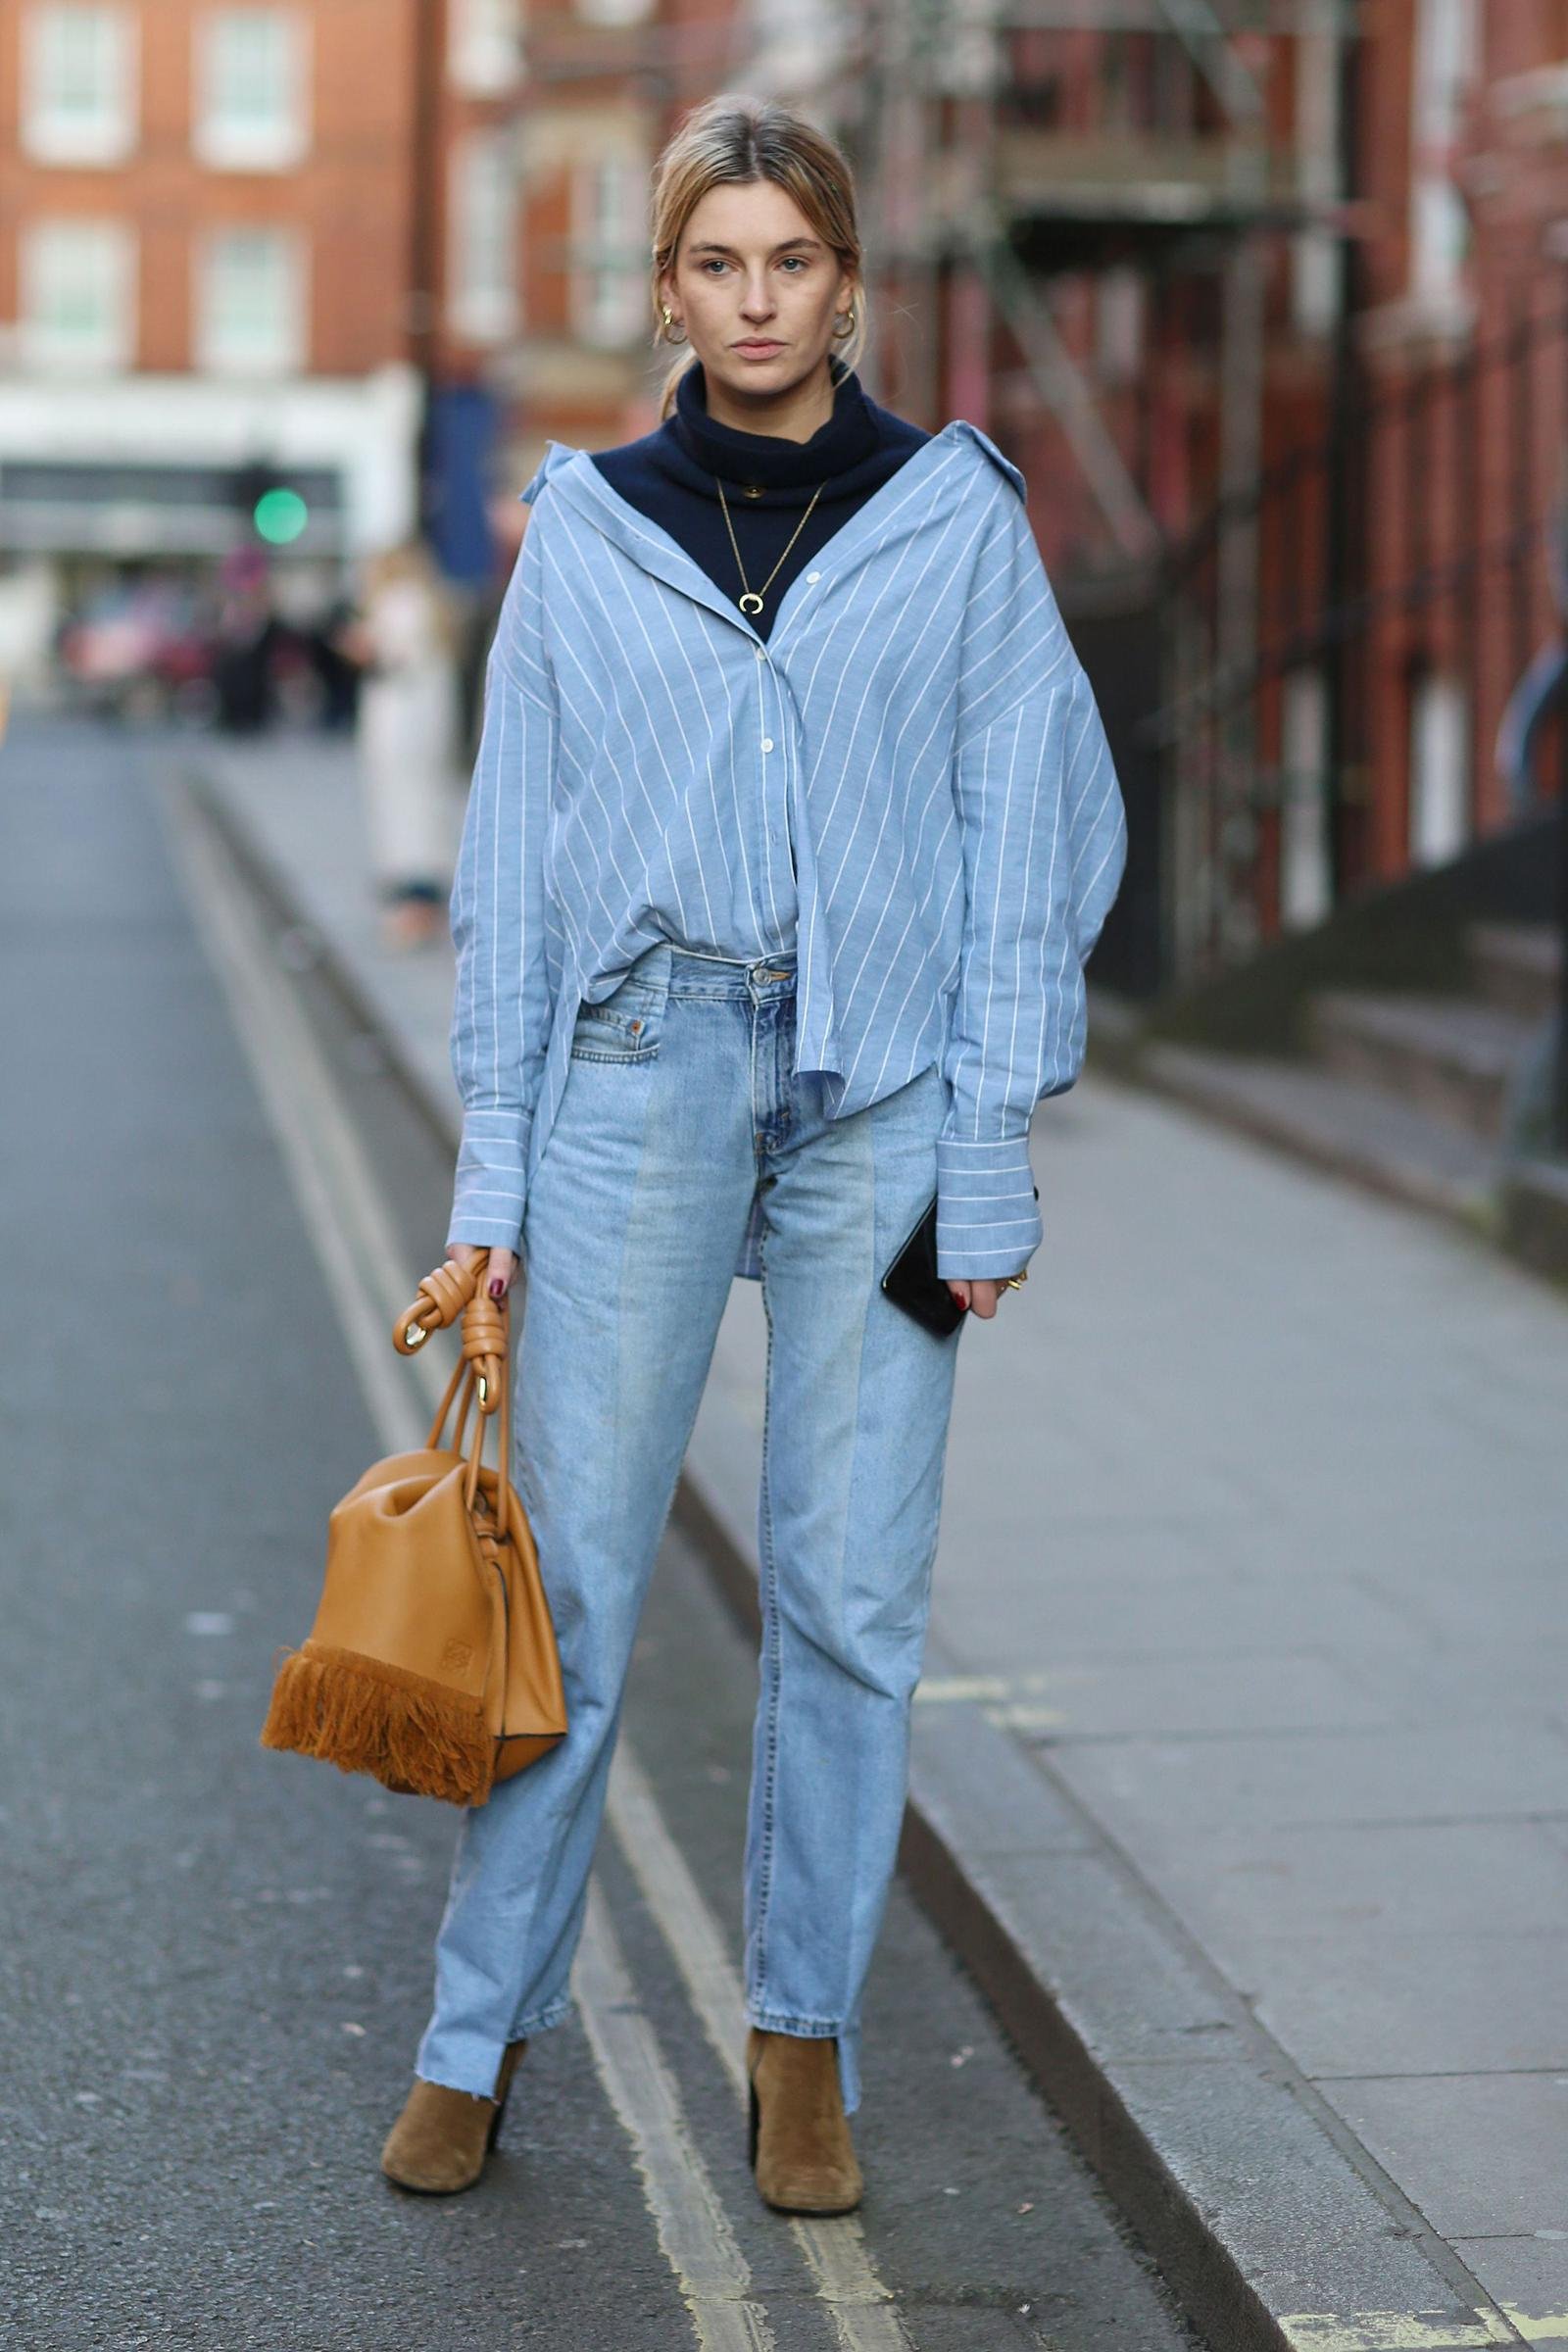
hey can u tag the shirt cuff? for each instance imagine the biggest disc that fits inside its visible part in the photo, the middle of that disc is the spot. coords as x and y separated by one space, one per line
988 1221
490 1182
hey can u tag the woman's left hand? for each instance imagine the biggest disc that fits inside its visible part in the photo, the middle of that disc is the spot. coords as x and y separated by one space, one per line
500 1267
979 1297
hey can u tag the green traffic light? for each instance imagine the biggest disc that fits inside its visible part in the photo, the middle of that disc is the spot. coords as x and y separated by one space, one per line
281 516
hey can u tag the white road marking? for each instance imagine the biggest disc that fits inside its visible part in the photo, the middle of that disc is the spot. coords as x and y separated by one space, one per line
857 2302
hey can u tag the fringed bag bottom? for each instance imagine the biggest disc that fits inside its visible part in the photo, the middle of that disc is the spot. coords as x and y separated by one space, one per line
411 1734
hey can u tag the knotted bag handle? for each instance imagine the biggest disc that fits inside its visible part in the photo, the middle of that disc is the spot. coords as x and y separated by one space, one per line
482 1369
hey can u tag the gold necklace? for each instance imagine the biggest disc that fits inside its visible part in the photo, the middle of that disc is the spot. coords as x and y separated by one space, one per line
752 598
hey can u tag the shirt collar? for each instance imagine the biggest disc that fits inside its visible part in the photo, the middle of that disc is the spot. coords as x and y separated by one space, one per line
945 462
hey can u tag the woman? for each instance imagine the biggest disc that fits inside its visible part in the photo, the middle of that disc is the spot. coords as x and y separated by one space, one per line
407 735
792 826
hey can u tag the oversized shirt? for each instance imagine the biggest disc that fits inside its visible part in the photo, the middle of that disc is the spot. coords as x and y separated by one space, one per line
908 782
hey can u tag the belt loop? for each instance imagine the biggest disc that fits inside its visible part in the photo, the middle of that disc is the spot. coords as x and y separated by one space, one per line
663 963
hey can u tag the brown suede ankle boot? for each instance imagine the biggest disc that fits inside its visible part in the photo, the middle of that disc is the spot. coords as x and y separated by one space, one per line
799 2136
441 2139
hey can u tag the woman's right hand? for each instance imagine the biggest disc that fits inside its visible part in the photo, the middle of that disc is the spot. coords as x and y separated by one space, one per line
497 1275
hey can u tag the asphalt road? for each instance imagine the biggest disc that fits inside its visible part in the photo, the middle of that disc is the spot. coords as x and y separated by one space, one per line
214 1963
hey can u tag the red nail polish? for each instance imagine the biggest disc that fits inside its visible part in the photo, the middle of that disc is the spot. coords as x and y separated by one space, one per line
498 1289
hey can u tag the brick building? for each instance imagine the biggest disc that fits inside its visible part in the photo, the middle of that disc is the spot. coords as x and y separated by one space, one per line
603 84
383 247
1120 249
205 269
1407 550
1276 325
1453 387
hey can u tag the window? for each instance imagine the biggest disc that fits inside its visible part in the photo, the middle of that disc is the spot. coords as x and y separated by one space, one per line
614 12
1317 292
1307 866
252 110
78 84
1439 770
965 63
484 52
1444 69
482 261
610 299
78 295
1119 312
250 303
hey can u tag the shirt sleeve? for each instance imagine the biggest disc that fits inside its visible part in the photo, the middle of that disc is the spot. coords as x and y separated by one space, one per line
500 1003
1045 843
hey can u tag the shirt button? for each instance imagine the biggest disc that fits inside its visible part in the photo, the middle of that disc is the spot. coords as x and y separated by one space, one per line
814 575
761 653
768 743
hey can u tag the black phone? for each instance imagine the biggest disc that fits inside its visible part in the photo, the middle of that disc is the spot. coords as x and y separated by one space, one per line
913 1282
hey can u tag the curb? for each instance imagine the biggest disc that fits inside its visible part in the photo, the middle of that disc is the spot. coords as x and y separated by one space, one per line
1534 1216
1175 1074
1522 1216
1273 2226
1168 1072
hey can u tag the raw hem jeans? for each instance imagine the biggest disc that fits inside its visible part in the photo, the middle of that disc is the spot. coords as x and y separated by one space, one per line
680 1103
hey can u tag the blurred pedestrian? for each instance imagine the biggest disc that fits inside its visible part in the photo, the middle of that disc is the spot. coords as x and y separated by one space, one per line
337 676
246 637
779 706
407 731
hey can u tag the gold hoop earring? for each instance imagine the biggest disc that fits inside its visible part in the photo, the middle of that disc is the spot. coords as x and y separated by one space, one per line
847 329
668 316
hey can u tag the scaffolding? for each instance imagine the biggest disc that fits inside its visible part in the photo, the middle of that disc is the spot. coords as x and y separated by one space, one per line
1014 147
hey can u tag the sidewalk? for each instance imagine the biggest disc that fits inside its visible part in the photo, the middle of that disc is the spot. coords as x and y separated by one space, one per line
1241 1759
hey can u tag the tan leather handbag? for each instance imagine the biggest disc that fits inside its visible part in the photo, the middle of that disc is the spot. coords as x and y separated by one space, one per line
432 1663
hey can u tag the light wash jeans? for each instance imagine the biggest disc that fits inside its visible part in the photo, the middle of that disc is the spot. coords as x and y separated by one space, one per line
680 1102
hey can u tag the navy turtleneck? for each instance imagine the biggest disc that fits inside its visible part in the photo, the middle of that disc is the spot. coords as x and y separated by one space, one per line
670 476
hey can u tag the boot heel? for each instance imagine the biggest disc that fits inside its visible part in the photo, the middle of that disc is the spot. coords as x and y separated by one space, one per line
509 2068
754 2128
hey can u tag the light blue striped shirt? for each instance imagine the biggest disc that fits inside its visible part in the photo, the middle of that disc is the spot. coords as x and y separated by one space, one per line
908 784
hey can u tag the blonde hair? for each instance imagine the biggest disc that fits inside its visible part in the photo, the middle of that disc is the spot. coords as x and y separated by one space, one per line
410 559
732 140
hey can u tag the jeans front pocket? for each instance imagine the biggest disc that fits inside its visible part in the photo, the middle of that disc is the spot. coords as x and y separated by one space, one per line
624 1027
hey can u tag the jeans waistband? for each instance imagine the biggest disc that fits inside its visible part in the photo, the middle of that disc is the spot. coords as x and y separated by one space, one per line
694 972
